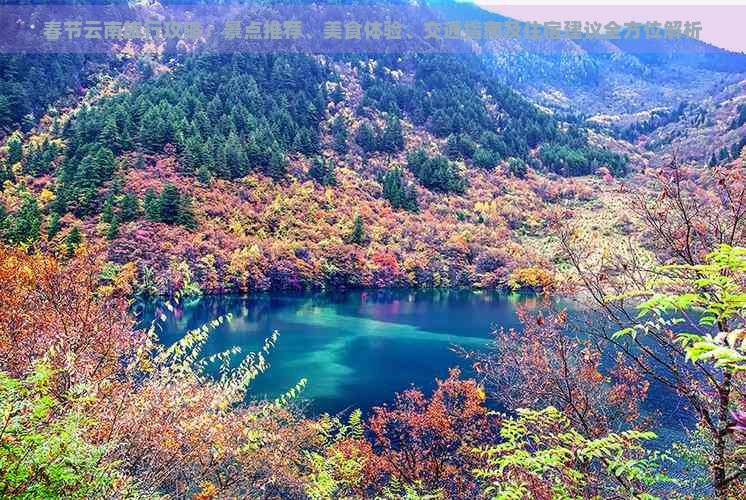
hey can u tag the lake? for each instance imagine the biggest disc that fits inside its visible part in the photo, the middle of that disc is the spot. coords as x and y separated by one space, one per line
356 348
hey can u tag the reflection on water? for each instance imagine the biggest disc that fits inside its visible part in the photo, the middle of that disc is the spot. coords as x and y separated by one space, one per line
356 348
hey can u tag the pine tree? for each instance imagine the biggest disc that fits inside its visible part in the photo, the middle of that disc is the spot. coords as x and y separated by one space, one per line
15 149
365 138
73 240
339 131
235 157
3 220
322 171
186 217
358 236
169 204
103 165
735 150
340 141
129 208
54 226
278 167
107 212
398 194
109 136
25 224
6 173
392 139
517 168
152 206
113 230
203 175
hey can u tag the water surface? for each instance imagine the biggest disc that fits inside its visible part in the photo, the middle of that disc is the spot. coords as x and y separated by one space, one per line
356 348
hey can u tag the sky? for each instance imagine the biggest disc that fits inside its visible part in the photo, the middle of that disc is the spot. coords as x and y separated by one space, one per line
723 24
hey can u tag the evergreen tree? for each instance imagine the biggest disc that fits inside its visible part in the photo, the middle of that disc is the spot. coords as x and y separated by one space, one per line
517 168
3 220
185 216
235 157
735 150
484 158
339 131
358 236
436 173
397 192
108 211
54 226
113 231
6 173
129 208
110 135
365 138
392 139
73 240
724 154
278 166
340 141
152 206
24 226
203 175
15 149
169 204
322 171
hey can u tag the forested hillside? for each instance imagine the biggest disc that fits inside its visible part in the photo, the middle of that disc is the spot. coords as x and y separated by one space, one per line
284 171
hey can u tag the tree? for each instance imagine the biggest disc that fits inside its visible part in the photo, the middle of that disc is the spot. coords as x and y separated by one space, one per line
185 216
542 456
108 211
235 158
322 171
397 192
15 149
54 226
47 453
517 168
169 204
429 441
683 221
110 135
23 226
113 231
152 206
357 236
339 131
714 348
724 154
435 173
73 240
203 175
563 371
484 158
365 138
278 166
392 139
129 208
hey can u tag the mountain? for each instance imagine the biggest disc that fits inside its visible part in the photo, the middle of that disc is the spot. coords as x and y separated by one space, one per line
233 172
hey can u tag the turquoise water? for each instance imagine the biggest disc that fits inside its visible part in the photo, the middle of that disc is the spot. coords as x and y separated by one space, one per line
355 348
